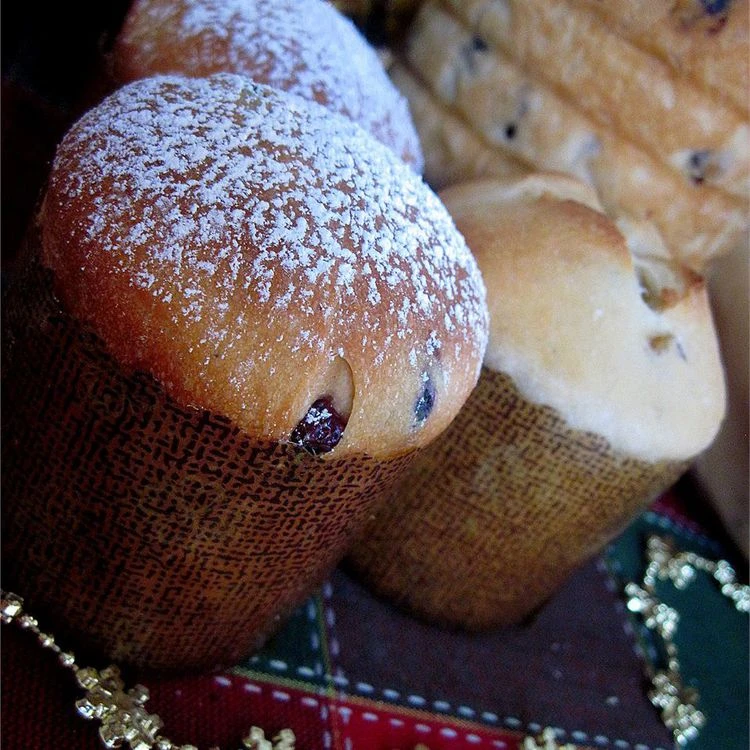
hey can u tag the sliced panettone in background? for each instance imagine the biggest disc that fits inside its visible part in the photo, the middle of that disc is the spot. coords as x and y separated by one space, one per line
561 86
705 40
591 402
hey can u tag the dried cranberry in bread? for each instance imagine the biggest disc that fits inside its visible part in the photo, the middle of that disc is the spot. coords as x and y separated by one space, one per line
589 404
303 46
245 316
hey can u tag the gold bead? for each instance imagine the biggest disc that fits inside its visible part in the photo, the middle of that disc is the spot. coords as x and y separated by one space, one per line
87 677
724 572
89 710
28 622
11 607
284 740
256 740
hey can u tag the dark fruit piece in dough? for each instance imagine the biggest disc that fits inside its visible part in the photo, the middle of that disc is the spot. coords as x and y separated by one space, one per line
321 429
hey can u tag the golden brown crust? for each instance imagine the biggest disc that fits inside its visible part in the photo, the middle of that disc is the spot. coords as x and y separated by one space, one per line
709 46
570 326
615 83
701 224
254 252
301 46
146 530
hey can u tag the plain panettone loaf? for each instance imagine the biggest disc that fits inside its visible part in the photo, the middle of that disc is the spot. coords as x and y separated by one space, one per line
590 403
249 251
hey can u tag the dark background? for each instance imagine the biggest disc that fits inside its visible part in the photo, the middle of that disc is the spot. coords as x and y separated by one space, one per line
52 58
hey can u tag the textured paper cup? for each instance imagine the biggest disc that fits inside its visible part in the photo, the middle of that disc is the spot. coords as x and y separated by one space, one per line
590 403
497 513
158 535
250 315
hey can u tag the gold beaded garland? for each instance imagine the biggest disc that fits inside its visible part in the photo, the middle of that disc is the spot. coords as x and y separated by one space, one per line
124 721
676 701
546 741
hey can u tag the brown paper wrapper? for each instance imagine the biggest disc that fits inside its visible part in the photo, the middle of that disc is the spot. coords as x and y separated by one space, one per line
148 532
497 512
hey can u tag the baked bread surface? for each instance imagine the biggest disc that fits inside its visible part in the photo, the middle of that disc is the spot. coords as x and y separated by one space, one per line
570 326
706 41
305 47
561 88
254 252
590 404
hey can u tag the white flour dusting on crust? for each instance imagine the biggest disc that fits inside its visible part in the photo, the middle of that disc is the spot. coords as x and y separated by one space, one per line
255 230
305 47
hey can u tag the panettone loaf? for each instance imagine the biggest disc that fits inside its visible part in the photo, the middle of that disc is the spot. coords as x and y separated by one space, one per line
242 318
590 403
706 41
563 87
305 47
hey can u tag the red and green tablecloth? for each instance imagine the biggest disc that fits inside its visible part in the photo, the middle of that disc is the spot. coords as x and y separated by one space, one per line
350 671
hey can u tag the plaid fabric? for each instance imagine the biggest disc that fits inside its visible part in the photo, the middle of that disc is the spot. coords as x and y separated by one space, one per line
350 671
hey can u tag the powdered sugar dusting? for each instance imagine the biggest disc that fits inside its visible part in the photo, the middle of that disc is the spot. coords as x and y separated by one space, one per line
243 192
305 47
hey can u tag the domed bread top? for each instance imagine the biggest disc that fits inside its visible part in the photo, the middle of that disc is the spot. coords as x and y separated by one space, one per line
569 325
302 46
256 253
